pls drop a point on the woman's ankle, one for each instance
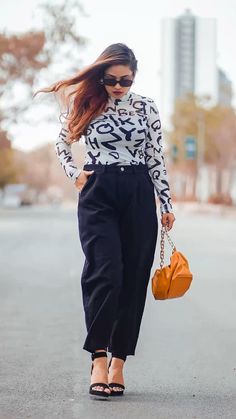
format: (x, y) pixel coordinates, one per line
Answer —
(117, 363)
(119, 356)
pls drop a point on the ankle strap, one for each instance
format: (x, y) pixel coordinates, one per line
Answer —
(98, 354)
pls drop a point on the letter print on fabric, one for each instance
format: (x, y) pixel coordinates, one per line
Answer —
(128, 131)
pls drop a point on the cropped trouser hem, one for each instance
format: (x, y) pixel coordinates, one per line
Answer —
(113, 353)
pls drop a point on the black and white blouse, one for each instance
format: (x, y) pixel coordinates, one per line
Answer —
(127, 132)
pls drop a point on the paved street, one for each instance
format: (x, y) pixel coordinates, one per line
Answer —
(185, 363)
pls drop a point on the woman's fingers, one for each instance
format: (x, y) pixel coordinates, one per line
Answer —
(82, 179)
(168, 219)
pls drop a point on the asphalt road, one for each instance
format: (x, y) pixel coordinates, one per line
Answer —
(185, 362)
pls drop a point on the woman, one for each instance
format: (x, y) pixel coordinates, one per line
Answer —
(117, 217)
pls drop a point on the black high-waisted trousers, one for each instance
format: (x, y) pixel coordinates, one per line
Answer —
(118, 229)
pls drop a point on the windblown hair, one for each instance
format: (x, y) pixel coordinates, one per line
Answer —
(88, 98)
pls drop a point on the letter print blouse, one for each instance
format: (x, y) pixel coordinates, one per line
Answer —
(127, 132)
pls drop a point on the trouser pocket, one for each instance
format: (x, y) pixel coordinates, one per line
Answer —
(89, 179)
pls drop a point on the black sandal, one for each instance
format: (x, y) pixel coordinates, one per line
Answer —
(112, 385)
(101, 394)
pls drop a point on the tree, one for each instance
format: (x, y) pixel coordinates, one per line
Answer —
(28, 57)
(8, 169)
(217, 126)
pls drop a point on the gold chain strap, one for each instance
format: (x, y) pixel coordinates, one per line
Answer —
(163, 232)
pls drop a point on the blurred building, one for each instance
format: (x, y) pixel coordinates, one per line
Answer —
(188, 60)
(225, 89)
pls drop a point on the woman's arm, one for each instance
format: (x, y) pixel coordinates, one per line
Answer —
(155, 159)
(64, 154)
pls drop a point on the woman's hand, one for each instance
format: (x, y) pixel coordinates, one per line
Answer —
(82, 179)
(167, 219)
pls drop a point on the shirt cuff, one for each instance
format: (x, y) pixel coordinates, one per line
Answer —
(166, 208)
(76, 175)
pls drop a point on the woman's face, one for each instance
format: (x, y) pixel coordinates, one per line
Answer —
(118, 72)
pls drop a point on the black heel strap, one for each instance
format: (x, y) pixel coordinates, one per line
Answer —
(98, 355)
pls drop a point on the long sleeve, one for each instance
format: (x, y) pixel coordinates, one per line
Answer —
(64, 154)
(155, 160)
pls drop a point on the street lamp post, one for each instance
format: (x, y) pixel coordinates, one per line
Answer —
(200, 150)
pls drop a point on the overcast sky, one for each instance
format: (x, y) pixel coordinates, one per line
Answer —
(134, 22)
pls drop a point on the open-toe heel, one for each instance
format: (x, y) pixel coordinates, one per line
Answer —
(102, 394)
(113, 384)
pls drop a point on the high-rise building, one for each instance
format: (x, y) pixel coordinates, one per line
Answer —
(225, 89)
(188, 61)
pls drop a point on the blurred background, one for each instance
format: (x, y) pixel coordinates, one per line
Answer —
(185, 64)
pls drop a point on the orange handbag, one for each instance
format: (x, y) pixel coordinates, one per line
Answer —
(173, 280)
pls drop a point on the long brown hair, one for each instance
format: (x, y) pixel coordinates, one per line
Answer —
(88, 99)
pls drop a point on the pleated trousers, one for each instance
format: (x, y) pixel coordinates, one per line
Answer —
(118, 228)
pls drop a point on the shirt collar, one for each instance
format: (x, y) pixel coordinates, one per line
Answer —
(124, 98)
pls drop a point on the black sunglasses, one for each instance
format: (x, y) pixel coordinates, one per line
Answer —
(113, 82)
